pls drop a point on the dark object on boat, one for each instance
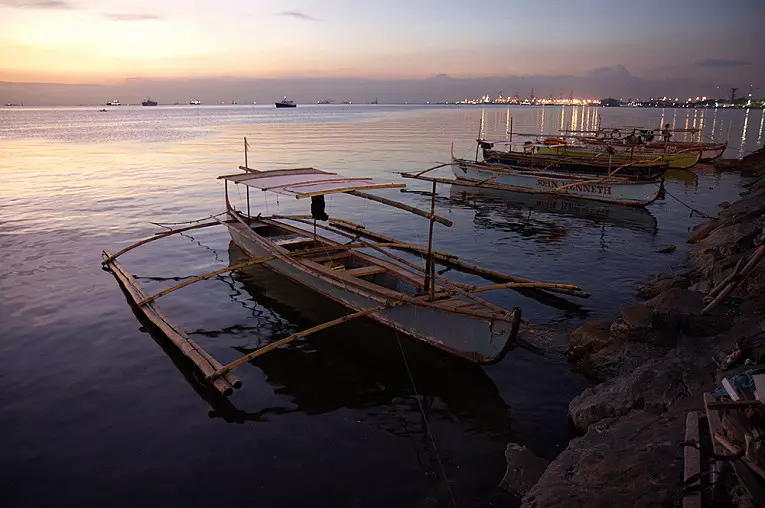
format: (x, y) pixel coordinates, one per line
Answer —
(284, 103)
(317, 208)
(102, 111)
(149, 102)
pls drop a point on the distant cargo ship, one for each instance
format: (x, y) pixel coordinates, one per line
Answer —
(149, 102)
(284, 103)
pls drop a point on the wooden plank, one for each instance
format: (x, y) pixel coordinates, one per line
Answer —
(759, 387)
(692, 460)
(352, 189)
(730, 390)
(365, 270)
(730, 404)
(158, 318)
(713, 419)
(331, 257)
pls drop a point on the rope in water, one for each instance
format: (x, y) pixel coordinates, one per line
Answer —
(425, 421)
(693, 210)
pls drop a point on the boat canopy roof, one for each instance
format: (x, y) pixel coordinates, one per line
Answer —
(306, 182)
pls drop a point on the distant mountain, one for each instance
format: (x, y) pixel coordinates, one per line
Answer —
(615, 81)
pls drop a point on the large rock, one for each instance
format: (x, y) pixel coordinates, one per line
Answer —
(679, 311)
(588, 339)
(523, 469)
(661, 283)
(722, 244)
(634, 324)
(703, 230)
(617, 359)
(629, 461)
(654, 386)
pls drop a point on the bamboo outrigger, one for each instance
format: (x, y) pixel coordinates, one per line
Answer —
(387, 288)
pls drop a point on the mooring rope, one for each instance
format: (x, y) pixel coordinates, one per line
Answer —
(425, 421)
(693, 210)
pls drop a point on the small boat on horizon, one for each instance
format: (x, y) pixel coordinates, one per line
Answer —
(113, 102)
(194, 102)
(284, 103)
(149, 102)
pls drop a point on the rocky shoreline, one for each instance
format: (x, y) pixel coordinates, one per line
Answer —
(653, 365)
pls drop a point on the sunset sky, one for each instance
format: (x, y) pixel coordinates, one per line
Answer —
(88, 41)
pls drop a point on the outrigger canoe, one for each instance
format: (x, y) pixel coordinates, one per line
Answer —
(386, 288)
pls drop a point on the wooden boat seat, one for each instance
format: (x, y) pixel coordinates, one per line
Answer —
(324, 258)
(365, 270)
(285, 240)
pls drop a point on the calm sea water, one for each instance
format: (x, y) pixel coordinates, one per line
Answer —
(97, 411)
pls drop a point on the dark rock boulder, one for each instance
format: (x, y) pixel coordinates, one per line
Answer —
(634, 324)
(662, 283)
(629, 461)
(653, 386)
(618, 359)
(703, 230)
(588, 339)
(523, 469)
(679, 311)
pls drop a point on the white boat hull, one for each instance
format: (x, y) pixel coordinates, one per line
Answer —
(622, 191)
(476, 338)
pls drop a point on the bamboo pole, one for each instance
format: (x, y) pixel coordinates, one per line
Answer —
(402, 206)
(158, 318)
(247, 166)
(440, 165)
(430, 264)
(758, 254)
(157, 236)
(453, 261)
(523, 285)
(265, 349)
(206, 276)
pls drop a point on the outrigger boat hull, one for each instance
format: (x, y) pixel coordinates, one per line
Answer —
(611, 190)
(477, 338)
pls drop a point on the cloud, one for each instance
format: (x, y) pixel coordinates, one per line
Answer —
(297, 15)
(37, 4)
(117, 16)
(722, 62)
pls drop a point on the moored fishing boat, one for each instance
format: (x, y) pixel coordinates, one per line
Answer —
(625, 139)
(597, 164)
(679, 159)
(391, 290)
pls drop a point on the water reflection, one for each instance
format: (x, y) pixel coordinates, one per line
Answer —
(534, 215)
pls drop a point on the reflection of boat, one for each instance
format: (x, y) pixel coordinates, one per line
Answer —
(149, 102)
(284, 103)
(687, 178)
(484, 199)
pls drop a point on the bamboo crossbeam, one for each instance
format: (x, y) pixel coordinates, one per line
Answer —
(446, 259)
(206, 276)
(402, 206)
(524, 285)
(351, 190)
(440, 165)
(154, 314)
(157, 236)
(265, 349)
